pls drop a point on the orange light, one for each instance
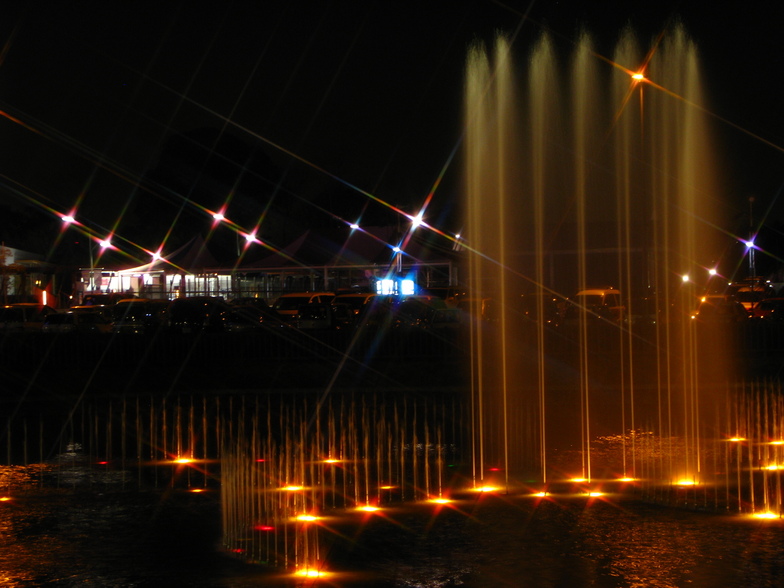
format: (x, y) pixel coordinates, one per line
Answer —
(310, 573)
(368, 508)
(626, 479)
(197, 490)
(594, 494)
(183, 460)
(777, 442)
(639, 77)
(579, 480)
(306, 518)
(540, 494)
(685, 482)
(736, 439)
(331, 461)
(440, 500)
(774, 467)
(765, 515)
(486, 489)
(5, 498)
(293, 488)
(388, 487)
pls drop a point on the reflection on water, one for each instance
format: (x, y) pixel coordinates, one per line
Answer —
(97, 534)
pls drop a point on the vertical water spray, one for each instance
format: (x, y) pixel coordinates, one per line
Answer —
(502, 432)
(591, 177)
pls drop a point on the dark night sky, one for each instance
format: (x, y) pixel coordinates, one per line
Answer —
(368, 93)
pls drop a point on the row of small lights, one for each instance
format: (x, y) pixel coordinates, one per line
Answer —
(250, 237)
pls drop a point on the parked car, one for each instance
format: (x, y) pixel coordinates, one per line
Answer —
(24, 316)
(244, 318)
(139, 315)
(416, 312)
(197, 314)
(268, 315)
(752, 294)
(483, 309)
(322, 316)
(770, 309)
(76, 322)
(602, 304)
(103, 299)
(446, 319)
(288, 305)
(102, 309)
(719, 309)
(357, 302)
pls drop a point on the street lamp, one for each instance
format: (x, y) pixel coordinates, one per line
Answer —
(750, 246)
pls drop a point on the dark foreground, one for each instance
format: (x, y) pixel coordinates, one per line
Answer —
(101, 535)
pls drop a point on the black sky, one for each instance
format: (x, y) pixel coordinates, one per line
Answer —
(364, 94)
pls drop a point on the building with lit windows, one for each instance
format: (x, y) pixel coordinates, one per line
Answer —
(375, 259)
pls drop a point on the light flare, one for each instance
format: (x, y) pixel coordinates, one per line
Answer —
(765, 515)
(486, 489)
(310, 573)
(440, 500)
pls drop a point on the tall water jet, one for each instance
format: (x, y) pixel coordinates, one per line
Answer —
(600, 175)
(499, 408)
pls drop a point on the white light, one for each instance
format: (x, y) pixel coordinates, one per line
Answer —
(685, 277)
(712, 271)
(396, 249)
(67, 218)
(416, 221)
(250, 237)
(354, 226)
(385, 287)
(749, 244)
(105, 244)
(218, 216)
(407, 287)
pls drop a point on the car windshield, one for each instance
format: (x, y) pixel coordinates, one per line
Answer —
(770, 304)
(131, 311)
(312, 312)
(59, 319)
(291, 302)
(90, 318)
(352, 302)
(589, 299)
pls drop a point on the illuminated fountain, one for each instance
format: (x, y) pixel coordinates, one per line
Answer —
(603, 176)
(649, 407)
